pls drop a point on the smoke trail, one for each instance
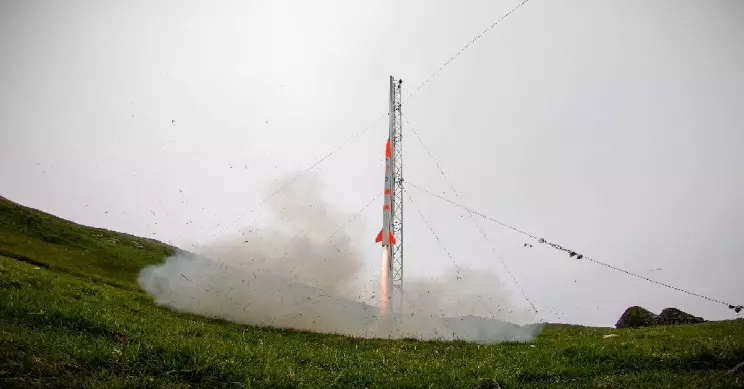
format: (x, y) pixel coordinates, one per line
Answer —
(278, 278)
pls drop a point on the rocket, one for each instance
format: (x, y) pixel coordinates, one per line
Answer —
(386, 234)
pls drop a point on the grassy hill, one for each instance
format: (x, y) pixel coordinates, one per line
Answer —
(47, 241)
(71, 315)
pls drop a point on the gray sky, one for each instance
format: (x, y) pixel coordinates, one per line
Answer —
(612, 127)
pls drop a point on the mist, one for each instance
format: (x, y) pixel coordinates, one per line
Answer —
(301, 271)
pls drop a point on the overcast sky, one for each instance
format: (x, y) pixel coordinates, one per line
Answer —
(611, 127)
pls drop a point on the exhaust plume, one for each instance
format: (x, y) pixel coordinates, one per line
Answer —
(278, 277)
(385, 282)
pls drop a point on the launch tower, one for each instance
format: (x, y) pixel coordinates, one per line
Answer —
(391, 235)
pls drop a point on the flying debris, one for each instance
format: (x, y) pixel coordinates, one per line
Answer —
(173, 122)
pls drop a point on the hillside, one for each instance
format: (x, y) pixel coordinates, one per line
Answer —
(71, 315)
(36, 237)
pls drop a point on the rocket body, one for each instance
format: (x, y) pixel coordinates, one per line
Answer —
(386, 234)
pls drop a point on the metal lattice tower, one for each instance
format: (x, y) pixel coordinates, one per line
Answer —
(396, 139)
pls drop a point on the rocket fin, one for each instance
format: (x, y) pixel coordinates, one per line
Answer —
(392, 238)
(379, 237)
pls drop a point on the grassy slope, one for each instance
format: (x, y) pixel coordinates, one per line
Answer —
(82, 322)
(111, 257)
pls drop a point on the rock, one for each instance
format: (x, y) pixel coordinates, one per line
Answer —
(487, 383)
(673, 316)
(735, 368)
(635, 317)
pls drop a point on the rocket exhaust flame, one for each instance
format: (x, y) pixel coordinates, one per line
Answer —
(385, 283)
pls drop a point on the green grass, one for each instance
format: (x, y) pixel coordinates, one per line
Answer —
(86, 324)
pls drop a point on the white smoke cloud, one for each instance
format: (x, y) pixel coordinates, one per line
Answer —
(277, 277)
